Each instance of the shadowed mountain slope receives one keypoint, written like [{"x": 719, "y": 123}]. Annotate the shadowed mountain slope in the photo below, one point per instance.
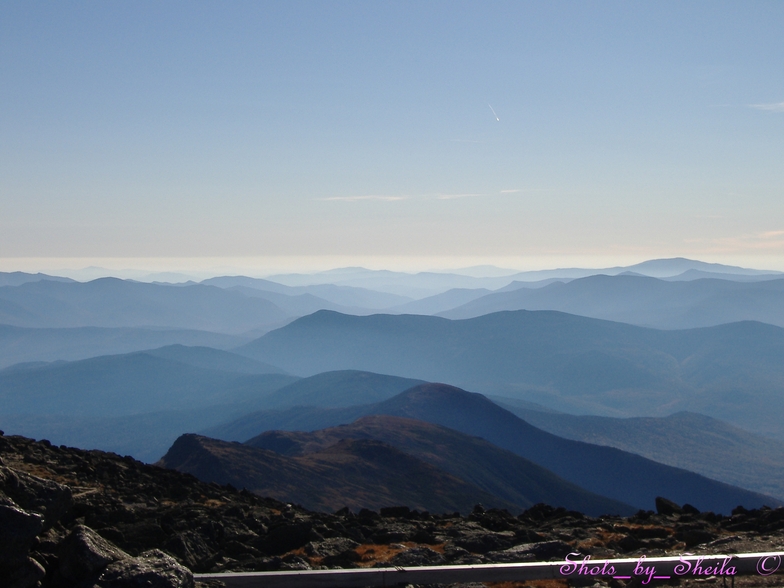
[
  {"x": 602, "y": 470},
  {"x": 496, "y": 471},
  {"x": 734, "y": 372},
  {"x": 686, "y": 440},
  {"x": 358, "y": 473}
]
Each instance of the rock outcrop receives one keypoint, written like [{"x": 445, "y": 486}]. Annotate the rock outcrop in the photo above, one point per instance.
[{"x": 70, "y": 517}]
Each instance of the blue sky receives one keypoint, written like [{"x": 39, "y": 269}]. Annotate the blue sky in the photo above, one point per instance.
[{"x": 314, "y": 134}]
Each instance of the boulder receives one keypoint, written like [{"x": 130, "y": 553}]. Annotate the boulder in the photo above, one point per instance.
[
  {"x": 418, "y": 556},
  {"x": 49, "y": 498},
  {"x": 152, "y": 569},
  {"x": 83, "y": 554},
  {"x": 667, "y": 507},
  {"x": 26, "y": 575},
  {"x": 18, "y": 531}
]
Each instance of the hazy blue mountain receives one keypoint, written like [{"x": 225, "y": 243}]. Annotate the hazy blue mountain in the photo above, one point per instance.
[
  {"x": 733, "y": 372},
  {"x": 644, "y": 301},
  {"x": 19, "y": 278},
  {"x": 298, "y": 418},
  {"x": 516, "y": 285},
  {"x": 678, "y": 265},
  {"x": 19, "y": 344},
  {"x": 686, "y": 440},
  {"x": 338, "y": 389},
  {"x": 499, "y": 472},
  {"x": 213, "y": 359},
  {"x": 297, "y": 305},
  {"x": 695, "y": 274},
  {"x": 145, "y": 436},
  {"x": 138, "y": 404},
  {"x": 513, "y": 404},
  {"x": 606, "y": 471},
  {"x": 128, "y": 384},
  {"x": 656, "y": 268},
  {"x": 419, "y": 285},
  {"x": 341, "y": 296},
  {"x": 440, "y": 302},
  {"x": 110, "y": 302}
]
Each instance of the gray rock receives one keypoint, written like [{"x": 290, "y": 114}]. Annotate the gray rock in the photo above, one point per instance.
[
  {"x": 152, "y": 569},
  {"x": 335, "y": 551},
  {"x": 49, "y": 498},
  {"x": 418, "y": 556},
  {"x": 83, "y": 554},
  {"x": 545, "y": 551},
  {"x": 190, "y": 548},
  {"x": 26, "y": 575},
  {"x": 667, "y": 507},
  {"x": 18, "y": 531},
  {"x": 294, "y": 562},
  {"x": 483, "y": 542},
  {"x": 330, "y": 547}
]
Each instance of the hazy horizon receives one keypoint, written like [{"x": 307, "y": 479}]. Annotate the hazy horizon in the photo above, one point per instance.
[{"x": 200, "y": 268}]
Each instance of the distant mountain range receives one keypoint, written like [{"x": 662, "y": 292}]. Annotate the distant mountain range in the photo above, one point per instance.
[
  {"x": 644, "y": 301},
  {"x": 423, "y": 284},
  {"x": 250, "y": 307},
  {"x": 733, "y": 372},
  {"x": 116, "y": 403},
  {"x": 342, "y": 296},
  {"x": 138, "y": 403},
  {"x": 19, "y": 278},
  {"x": 22, "y": 345},
  {"x": 130, "y": 366},
  {"x": 109, "y": 302}
]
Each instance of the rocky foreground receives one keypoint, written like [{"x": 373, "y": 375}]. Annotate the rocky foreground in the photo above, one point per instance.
[{"x": 70, "y": 517}]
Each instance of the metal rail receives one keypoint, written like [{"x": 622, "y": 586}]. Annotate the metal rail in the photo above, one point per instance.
[{"x": 644, "y": 570}]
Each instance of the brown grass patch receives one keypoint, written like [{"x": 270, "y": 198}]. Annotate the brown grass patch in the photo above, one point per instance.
[{"x": 370, "y": 554}]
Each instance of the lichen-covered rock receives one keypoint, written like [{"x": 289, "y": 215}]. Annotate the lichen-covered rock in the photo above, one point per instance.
[
  {"x": 18, "y": 532},
  {"x": 190, "y": 548},
  {"x": 418, "y": 556},
  {"x": 84, "y": 554},
  {"x": 32, "y": 493},
  {"x": 152, "y": 569},
  {"x": 26, "y": 575}
]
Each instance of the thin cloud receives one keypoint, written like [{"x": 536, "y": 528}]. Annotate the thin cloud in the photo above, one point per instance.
[
  {"x": 360, "y": 198},
  {"x": 773, "y": 107},
  {"x": 771, "y": 234},
  {"x": 455, "y": 196},
  {"x": 527, "y": 190}
]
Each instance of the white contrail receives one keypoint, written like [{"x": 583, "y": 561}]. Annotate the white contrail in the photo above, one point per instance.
[{"x": 494, "y": 114}]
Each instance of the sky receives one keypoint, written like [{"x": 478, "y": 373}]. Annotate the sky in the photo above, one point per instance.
[{"x": 273, "y": 136}]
